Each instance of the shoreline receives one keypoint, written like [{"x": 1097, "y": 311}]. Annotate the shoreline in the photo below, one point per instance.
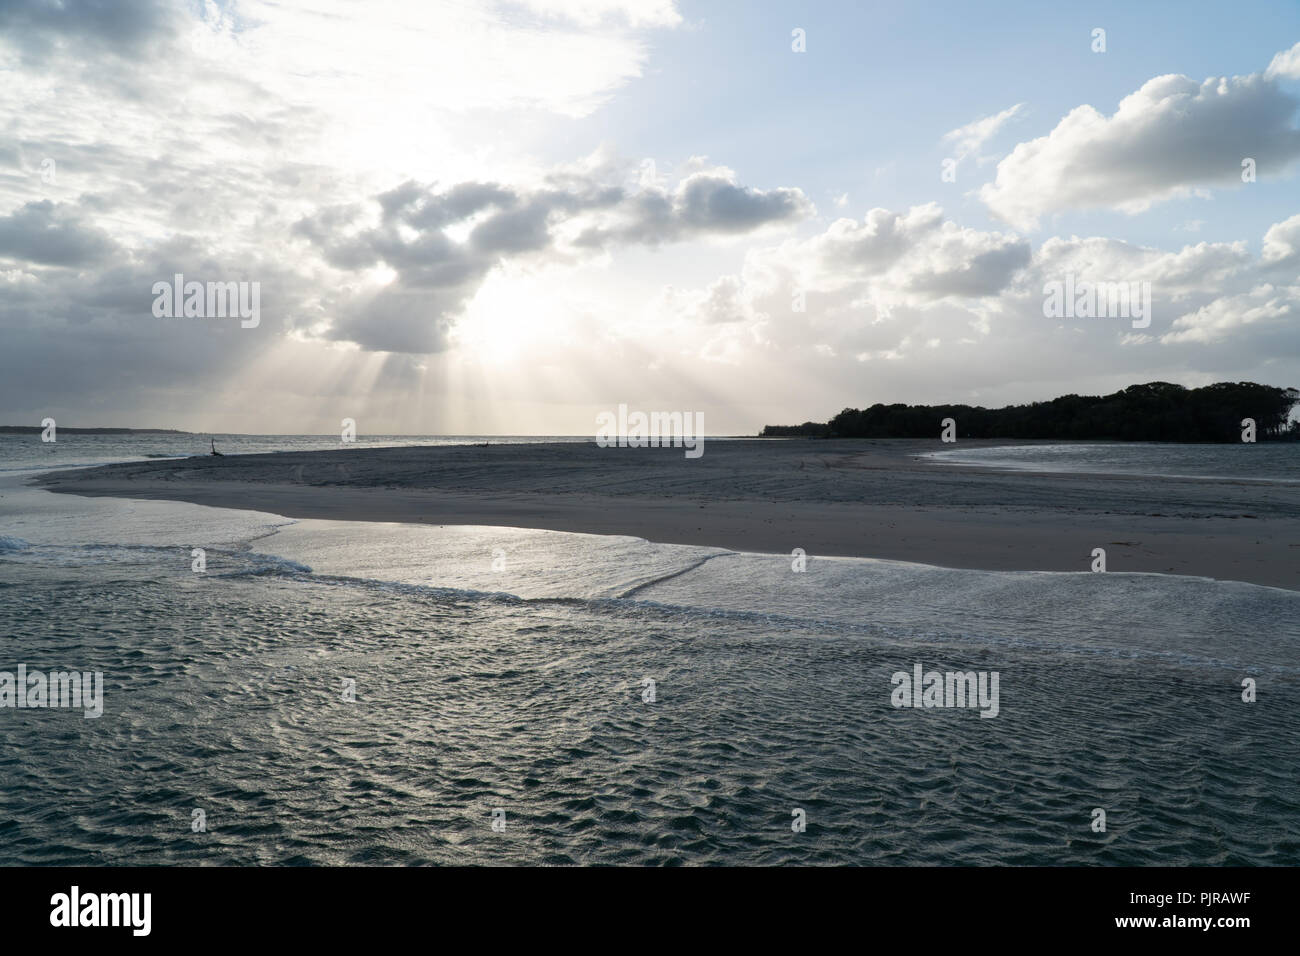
[{"x": 869, "y": 499}]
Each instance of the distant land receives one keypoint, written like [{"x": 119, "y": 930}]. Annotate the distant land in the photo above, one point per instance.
[
  {"x": 1157, "y": 411},
  {"x": 37, "y": 429}
]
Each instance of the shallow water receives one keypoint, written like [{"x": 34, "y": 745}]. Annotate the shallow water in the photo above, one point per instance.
[
  {"x": 1257, "y": 461},
  {"x": 505, "y": 669}
]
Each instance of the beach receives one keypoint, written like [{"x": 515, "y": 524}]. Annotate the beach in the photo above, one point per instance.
[
  {"x": 876, "y": 499},
  {"x": 370, "y": 655},
  {"x": 672, "y": 438}
]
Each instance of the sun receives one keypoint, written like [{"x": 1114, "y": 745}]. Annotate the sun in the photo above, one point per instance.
[{"x": 512, "y": 318}]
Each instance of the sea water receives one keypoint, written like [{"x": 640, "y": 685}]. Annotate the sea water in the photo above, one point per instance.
[
  {"x": 1245, "y": 461},
  {"x": 349, "y": 692}
]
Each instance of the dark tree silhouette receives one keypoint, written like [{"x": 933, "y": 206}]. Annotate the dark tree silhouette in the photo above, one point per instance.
[{"x": 1156, "y": 411}]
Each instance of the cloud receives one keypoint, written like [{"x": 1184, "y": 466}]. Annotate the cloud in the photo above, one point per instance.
[
  {"x": 911, "y": 257},
  {"x": 48, "y": 233},
  {"x": 938, "y": 310},
  {"x": 1285, "y": 65},
  {"x": 42, "y": 27},
  {"x": 1282, "y": 245},
  {"x": 390, "y": 61},
  {"x": 375, "y": 169},
  {"x": 414, "y": 321},
  {"x": 642, "y": 13},
  {"x": 1169, "y": 137},
  {"x": 1265, "y": 306},
  {"x": 442, "y": 243},
  {"x": 968, "y": 139},
  {"x": 722, "y": 302},
  {"x": 708, "y": 202},
  {"x": 712, "y": 202}
]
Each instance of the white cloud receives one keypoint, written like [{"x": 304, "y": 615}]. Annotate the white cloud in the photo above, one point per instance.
[
  {"x": 971, "y": 137},
  {"x": 654, "y": 13},
  {"x": 1264, "y": 306},
  {"x": 1285, "y": 65},
  {"x": 1165, "y": 140},
  {"x": 928, "y": 304},
  {"x": 726, "y": 300},
  {"x": 1282, "y": 244},
  {"x": 905, "y": 258}
]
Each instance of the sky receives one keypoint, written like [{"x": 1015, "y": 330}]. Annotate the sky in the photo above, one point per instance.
[{"x": 507, "y": 216}]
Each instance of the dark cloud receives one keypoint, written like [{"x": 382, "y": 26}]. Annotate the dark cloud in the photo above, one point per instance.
[
  {"x": 401, "y": 319},
  {"x": 707, "y": 203},
  {"x": 514, "y": 230},
  {"x": 984, "y": 274},
  {"x": 438, "y": 273},
  {"x": 50, "y": 234},
  {"x": 879, "y": 241},
  {"x": 37, "y": 27},
  {"x": 421, "y": 210},
  {"x": 711, "y": 203}
]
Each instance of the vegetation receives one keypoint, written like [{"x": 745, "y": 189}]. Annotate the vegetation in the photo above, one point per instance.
[
  {"x": 806, "y": 430},
  {"x": 1157, "y": 411}
]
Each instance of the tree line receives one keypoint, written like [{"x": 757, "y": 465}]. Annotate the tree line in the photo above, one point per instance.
[{"x": 1156, "y": 411}]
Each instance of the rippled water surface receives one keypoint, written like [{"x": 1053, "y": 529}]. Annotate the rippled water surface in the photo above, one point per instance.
[
  {"x": 502, "y": 669},
  {"x": 1271, "y": 461}
]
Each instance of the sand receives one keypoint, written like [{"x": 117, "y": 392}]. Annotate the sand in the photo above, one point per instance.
[{"x": 877, "y": 499}]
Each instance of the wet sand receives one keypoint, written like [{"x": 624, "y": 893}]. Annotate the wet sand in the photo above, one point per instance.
[{"x": 877, "y": 499}]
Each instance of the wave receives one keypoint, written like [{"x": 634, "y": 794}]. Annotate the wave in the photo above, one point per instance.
[
  {"x": 1196, "y": 621},
  {"x": 267, "y": 564}
]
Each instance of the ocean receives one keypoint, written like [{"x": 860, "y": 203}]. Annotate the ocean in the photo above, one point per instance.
[
  {"x": 327, "y": 693},
  {"x": 1245, "y": 461}
]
